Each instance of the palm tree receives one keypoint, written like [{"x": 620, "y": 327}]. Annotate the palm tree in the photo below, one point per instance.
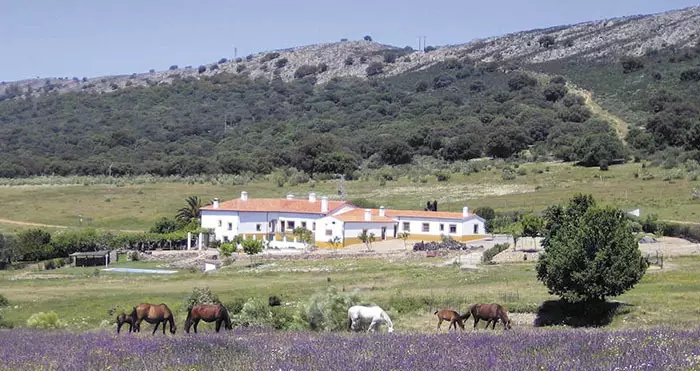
[{"x": 191, "y": 211}]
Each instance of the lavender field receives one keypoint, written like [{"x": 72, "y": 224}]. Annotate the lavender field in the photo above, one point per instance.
[{"x": 255, "y": 349}]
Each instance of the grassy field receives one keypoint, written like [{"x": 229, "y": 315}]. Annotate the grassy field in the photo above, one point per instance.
[
  {"x": 409, "y": 288},
  {"x": 127, "y": 206}
]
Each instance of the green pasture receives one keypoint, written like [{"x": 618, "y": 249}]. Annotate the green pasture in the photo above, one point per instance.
[
  {"x": 126, "y": 206},
  {"x": 409, "y": 288}
]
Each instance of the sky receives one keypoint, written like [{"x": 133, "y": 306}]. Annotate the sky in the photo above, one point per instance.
[{"x": 77, "y": 38}]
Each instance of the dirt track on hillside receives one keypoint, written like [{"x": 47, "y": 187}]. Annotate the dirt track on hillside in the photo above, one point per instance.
[{"x": 30, "y": 224}]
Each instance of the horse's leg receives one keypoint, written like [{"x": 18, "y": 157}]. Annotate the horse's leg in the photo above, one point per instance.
[
  {"x": 372, "y": 326},
  {"x": 493, "y": 325},
  {"x": 439, "y": 323},
  {"x": 218, "y": 324},
  {"x": 196, "y": 323},
  {"x": 155, "y": 328},
  {"x": 476, "y": 321},
  {"x": 164, "y": 323}
]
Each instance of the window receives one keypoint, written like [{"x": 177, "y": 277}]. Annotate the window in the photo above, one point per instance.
[
  {"x": 225, "y": 238},
  {"x": 442, "y": 227},
  {"x": 303, "y": 224},
  {"x": 290, "y": 225},
  {"x": 230, "y": 226},
  {"x": 453, "y": 228},
  {"x": 406, "y": 226},
  {"x": 426, "y": 227},
  {"x": 313, "y": 226},
  {"x": 258, "y": 227},
  {"x": 219, "y": 222},
  {"x": 329, "y": 232},
  {"x": 476, "y": 229}
]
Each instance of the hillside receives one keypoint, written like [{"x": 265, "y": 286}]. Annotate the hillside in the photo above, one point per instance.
[{"x": 565, "y": 92}]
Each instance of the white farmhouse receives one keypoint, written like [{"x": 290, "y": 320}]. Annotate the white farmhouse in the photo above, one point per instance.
[{"x": 273, "y": 219}]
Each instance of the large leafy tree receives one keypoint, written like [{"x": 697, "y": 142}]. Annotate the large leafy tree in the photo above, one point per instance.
[
  {"x": 589, "y": 252},
  {"x": 191, "y": 211}
]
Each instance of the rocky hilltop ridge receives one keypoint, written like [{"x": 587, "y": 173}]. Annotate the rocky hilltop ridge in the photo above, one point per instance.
[{"x": 605, "y": 39}]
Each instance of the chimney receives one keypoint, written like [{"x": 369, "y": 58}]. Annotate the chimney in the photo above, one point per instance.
[
  {"x": 324, "y": 204},
  {"x": 465, "y": 211},
  {"x": 381, "y": 210},
  {"x": 244, "y": 196},
  {"x": 216, "y": 203},
  {"x": 368, "y": 214},
  {"x": 290, "y": 196},
  {"x": 312, "y": 197}
]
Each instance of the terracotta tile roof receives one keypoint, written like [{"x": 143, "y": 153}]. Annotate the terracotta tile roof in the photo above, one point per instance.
[
  {"x": 358, "y": 215},
  {"x": 276, "y": 205},
  {"x": 425, "y": 214}
]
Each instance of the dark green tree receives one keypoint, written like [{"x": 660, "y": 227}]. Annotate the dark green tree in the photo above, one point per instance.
[
  {"x": 532, "y": 225},
  {"x": 34, "y": 244},
  {"x": 589, "y": 253},
  {"x": 595, "y": 149}
]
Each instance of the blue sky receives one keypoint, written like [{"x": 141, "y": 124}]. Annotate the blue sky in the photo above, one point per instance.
[{"x": 67, "y": 38}]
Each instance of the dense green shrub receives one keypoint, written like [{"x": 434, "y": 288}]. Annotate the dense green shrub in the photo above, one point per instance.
[
  {"x": 304, "y": 71},
  {"x": 281, "y": 62},
  {"x": 326, "y": 310},
  {"x": 200, "y": 295},
  {"x": 268, "y": 57},
  {"x": 3, "y": 301},
  {"x": 257, "y": 312},
  {"x": 45, "y": 320},
  {"x": 493, "y": 251},
  {"x": 375, "y": 68}
]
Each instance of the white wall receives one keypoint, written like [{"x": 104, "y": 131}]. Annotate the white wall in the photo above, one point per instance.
[
  {"x": 246, "y": 222},
  {"x": 416, "y": 226},
  {"x": 353, "y": 230},
  {"x": 468, "y": 227},
  {"x": 335, "y": 225}
]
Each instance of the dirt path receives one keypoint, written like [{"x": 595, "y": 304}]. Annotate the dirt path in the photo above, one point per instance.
[
  {"x": 620, "y": 125},
  {"x": 31, "y": 224}
]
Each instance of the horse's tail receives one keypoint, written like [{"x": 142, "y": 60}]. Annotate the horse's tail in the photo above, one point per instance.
[
  {"x": 436, "y": 312},
  {"x": 188, "y": 320},
  {"x": 226, "y": 317}
]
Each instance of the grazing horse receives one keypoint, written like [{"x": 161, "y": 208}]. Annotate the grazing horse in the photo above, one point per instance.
[
  {"x": 489, "y": 313},
  {"x": 360, "y": 315},
  {"x": 124, "y": 318},
  {"x": 453, "y": 317},
  {"x": 207, "y": 313},
  {"x": 153, "y": 314}
]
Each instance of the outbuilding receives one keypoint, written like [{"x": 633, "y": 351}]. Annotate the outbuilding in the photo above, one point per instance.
[{"x": 93, "y": 258}]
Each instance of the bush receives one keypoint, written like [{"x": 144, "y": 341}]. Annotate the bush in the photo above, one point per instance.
[
  {"x": 45, "y": 320},
  {"x": 349, "y": 61},
  {"x": 256, "y": 311},
  {"x": 3, "y": 301},
  {"x": 631, "y": 64},
  {"x": 495, "y": 250},
  {"x": 173, "y": 67},
  {"x": 268, "y": 57},
  {"x": 200, "y": 295},
  {"x": 374, "y": 69},
  {"x": 546, "y": 41},
  {"x": 223, "y": 60},
  {"x": 304, "y": 71},
  {"x": 202, "y": 69},
  {"x": 281, "y": 62},
  {"x": 326, "y": 310},
  {"x": 240, "y": 68},
  {"x": 227, "y": 249},
  {"x": 368, "y": 38}
]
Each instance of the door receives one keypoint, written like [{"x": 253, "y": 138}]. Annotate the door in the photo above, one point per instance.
[
  {"x": 383, "y": 233},
  {"x": 396, "y": 227}
]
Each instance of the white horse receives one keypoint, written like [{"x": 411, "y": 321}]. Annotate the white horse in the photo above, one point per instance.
[{"x": 374, "y": 315}]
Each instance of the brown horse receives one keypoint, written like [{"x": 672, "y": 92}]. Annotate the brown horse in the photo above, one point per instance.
[
  {"x": 489, "y": 313},
  {"x": 207, "y": 313},
  {"x": 124, "y": 318},
  {"x": 453, "y": 317},
  {"x": 153, "y": 314}
]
